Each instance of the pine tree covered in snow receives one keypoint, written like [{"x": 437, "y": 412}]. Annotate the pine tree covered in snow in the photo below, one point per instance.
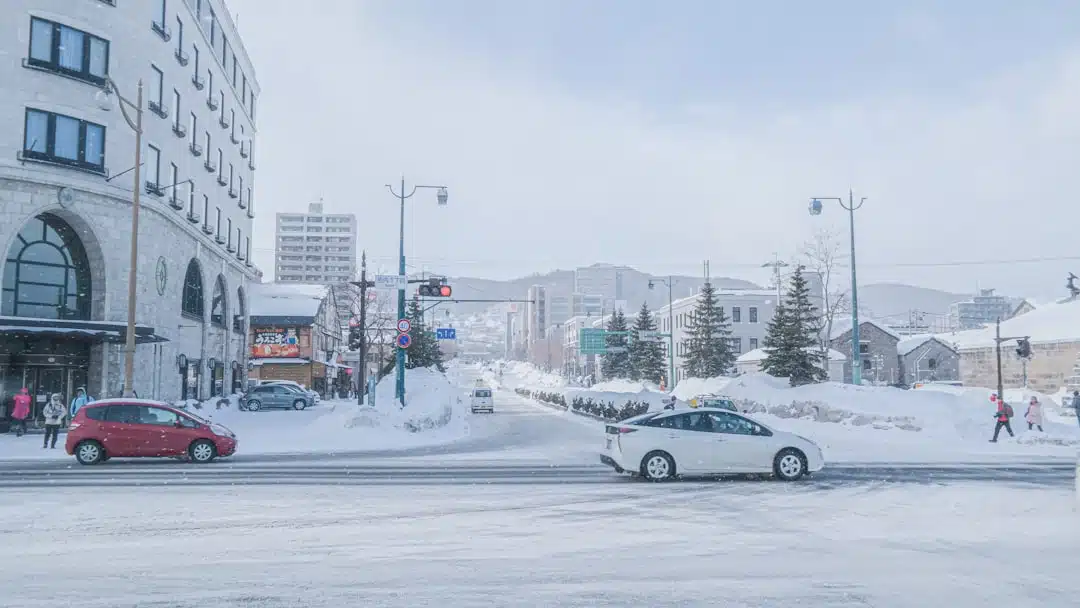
[
  {"x": 646, "y": 356},
  {"x": 424, "y": 350},
  {"x": 708, "y": 349},
  {"x": 791, "y": 342},
  {"x": 616, "y": 364}
]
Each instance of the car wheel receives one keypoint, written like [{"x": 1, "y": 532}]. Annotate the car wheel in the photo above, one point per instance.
[
  {"x": 299, "y": 404},
  {"x": 658, "y": 466},
  {"x": 202, "y": 451},
  {"x": 789, "y": 464},
  {"x": 89, "y": 452},
  {"x": 254, "y": 405}
]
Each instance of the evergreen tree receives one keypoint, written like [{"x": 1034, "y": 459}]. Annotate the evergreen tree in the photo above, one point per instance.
[
  {"x": 791, "y": 344},
  {"x": 646, "y": 356},
  {"x": 708, "y": 347},
  {"x": 424, "y": 349},
  {"x": 616, "y": 364}
]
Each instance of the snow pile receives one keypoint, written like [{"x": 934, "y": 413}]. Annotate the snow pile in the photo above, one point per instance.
[
  {"x": 214, "y": 403},
  {"x": 431, "y": 402},
  {"x": 624, "y": 386},
  {"x": 531, "y": 376},
  {"x": 688, "y": 388}
]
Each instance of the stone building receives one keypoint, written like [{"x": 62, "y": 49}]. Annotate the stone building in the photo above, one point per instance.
[
  {"x": 67, "y": 168},
  {"x": 927, "y": 358},
  {"x": 1054, "y": 332},
  {"x": 877, "y": 349}
]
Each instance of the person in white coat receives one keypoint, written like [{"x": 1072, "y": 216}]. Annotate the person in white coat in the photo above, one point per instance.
[
  {"x": 54, "y": 412},
  {"x": 1034, "y": 415}
]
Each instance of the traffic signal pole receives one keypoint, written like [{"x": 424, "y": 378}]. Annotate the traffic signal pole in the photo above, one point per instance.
[
  {"x": 361, "y": 380},
  {"x": 1023, "y": 351}
]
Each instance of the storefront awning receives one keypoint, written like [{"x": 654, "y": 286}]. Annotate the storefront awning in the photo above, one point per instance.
[
  {"x": 280, "y": 361},
  {"x": 91, "y": 331}
]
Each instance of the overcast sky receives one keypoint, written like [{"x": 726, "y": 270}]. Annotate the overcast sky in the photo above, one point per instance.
[{"x": 659, "y": 134}]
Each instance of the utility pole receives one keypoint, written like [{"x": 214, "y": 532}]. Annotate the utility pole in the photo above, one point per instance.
[
  {"x": 1024, "y": 352},
  {"x": 776, "y": 265},
  {"x": 361, "y": 367}
]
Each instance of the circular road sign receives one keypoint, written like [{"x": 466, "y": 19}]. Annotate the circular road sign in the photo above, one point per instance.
[
  {"x": 403, "y": 340},
  {"x": 404, "y": 326}
]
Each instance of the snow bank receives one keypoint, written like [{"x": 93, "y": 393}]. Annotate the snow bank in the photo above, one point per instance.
[
  {"x": 688, "y": 388},
  {"x": 434, "y": 414},
  {"x": 625, "y": 386},
  {"x": 531, "y": 376}
]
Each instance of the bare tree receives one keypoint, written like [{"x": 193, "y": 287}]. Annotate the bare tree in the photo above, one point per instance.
[
  {"x": 380, "y": 325},
  {"x": 822, "y": 254}
]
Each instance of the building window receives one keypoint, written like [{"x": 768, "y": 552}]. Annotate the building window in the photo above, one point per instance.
[
  {"x": 195, "y": 59},
  {"x": 736, "y": 345},
  {"x": 157, "y": 93},
  {"x": 218, "y": 304},
  {"x": 229, "y": 234},
  {"x": 217, "y": 223},
  {"x": 153, "y": 168},
  {"x": 867, "y": 364},
  {"x": 931, "y": 363},
  {"x": 68, "y": 51},
  {"x": 753, "y": 314},
  {"x": 191, "y": 302},
  {"x": 206, "y": 213},
  {"x": 753, "y": 343},
  {"x": 193, "y": 124},
  {"x": 864, "y": 348},
  {"x": 736, "y": 314},
  {"x": 62, "y": 139},
  {"x": 47, "y": 272},
  {"x": 179, "y": 36},
  {"x": 241, "y": 312}
]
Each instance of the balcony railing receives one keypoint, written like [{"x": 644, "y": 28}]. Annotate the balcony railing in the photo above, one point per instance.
[
  {"x": 196, "y": 149},
  {"x": 179, "y": 130},
  {"x": 181, "y": 57},
  {"x": 210, "y": 166},
  {"x": 199, "y": 83},
  {"x": 154, "y": 188},
  {"x": 157, "y": 108}
]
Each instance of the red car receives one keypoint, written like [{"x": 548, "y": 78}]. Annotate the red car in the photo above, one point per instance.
[{"x": 132, "y": 428}]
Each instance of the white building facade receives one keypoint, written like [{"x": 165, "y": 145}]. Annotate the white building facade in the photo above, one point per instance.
[
  {"x": 748, "y": 312},
  {"x": 67, "y": 184}
]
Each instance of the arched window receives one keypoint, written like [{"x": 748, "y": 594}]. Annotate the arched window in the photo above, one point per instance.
[
  {"x": 241, "y": 311},
  {"x": 218, "y": 304},
  {"x": 191, "y": 303},
  {"x": 46, "y": 273}
]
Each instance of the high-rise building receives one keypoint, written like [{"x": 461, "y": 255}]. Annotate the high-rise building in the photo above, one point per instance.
[
  {"x": 536, "y": 314},
  {"x": 979, "y": 311},
  {"x": 315, "y": 247},
  {"x": 604, "y": 280},
  {"x": 68, "y": 174}
]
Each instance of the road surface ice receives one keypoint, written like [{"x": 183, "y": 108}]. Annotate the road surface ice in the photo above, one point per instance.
[{"x": 732, "y": 544}]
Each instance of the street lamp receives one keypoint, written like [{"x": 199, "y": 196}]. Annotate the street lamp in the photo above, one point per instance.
[
  {"x": 671, "y": 330},
  {"x": 851, "y": 207},
  {"x": 441, "y": 196},
  {"x": 104, "y": 98}
]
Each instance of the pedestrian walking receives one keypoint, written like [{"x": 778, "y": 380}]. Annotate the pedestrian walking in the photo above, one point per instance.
[
  {"x": 21, "y": 411},
  {"x": 1034, "y": 414},
  {"x": 1076, "y": 404},
  {"x": 80, "y": 399},
  {"x": 1003, "y": 415},
  {"x": 54, "y": 413}
]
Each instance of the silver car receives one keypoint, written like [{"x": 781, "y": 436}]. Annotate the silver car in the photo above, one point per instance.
[{"x": 276, "y": 396}]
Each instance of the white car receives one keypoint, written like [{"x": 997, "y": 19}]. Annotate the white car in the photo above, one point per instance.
[
  {"x": 481, "y": 400},
  {"x": 706, "y": 441}
]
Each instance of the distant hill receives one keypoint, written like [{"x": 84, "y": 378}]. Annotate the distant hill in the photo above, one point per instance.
[
  {"x": 894, "y": 301},
  {"x": 561, "y": 282}
]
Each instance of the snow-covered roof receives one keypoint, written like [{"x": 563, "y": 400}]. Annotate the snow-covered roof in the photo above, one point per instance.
[
  {"x": 842, "y": 325},
  {"x": 285, "y": 299},
  {"x": 909, "y": 343},
  {"x": 759, "y": 354},
  {"x": 1058, "y": 322}
]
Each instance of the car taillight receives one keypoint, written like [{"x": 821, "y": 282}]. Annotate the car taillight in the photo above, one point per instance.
[{"x": 625, "y": 429}]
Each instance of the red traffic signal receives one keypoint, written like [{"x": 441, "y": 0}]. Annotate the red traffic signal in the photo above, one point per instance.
[{"x": 434, "y": 290}]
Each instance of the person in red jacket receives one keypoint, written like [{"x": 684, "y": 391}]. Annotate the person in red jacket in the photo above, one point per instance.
[
  {"x": 21, "y": 411},
  {"x": 1003, "y": 415}
]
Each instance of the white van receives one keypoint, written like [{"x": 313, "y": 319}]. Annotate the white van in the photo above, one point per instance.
[{"x": 481, "y": 400}]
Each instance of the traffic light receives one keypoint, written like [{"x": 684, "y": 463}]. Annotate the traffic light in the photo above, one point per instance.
[
  {"x": 434, "y": 289},
  {"x": 1023, "y": 348},
  {"x": 354, "y": 336}
]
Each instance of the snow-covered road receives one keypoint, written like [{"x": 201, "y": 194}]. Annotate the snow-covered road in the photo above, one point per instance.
[{"x": 449, "y": 546}]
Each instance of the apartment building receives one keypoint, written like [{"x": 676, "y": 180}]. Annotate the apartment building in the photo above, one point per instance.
[{"x": 315, "y": 247}]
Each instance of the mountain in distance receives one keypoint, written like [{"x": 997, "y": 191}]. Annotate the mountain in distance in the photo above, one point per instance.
[
  {"x": 561, "y": 283},
  {"x": 894, "y": 302}
]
